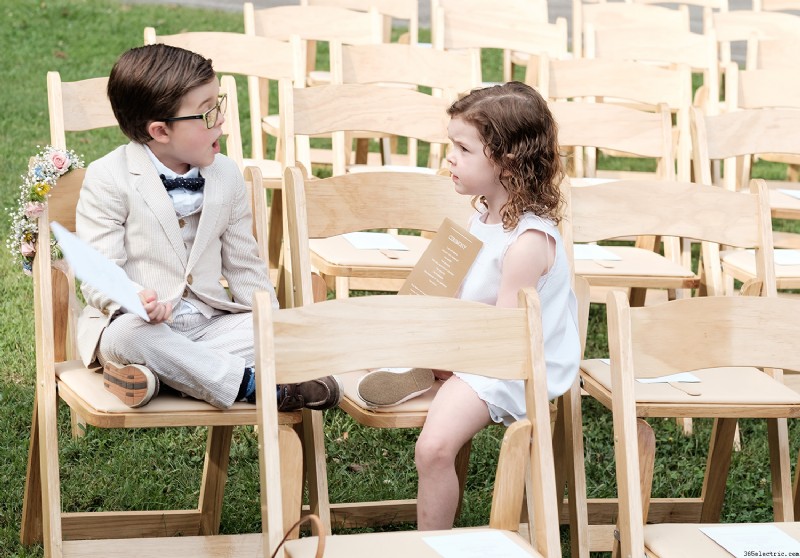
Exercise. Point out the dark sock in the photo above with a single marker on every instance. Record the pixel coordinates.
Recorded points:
(247, 389)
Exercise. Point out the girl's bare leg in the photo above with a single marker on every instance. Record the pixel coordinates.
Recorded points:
(454, 417)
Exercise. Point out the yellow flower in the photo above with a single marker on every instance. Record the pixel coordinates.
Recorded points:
(41, 188)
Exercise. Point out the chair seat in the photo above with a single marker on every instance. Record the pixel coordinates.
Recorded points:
(338, 257)
(782, 205)
(717, 386)
(676, 540)
(196, 546)
(83, 389)
(741, 264)
(398, 544)
(636, 267)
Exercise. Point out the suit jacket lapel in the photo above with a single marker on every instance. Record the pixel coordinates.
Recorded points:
(213, 194)
(145, 179)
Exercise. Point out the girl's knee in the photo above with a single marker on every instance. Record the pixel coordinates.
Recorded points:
(433, 451)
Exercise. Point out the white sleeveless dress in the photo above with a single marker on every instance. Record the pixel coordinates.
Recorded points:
(506, 399)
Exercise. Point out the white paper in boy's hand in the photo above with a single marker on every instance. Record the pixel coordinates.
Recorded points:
(91, 267)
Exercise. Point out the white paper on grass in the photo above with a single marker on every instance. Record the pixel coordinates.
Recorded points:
(681, 377)
(374, 241)
(753, 540)
(593, 252)
(91, 267)
(483, 544)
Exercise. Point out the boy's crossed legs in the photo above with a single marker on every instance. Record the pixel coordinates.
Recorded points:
(207, 358)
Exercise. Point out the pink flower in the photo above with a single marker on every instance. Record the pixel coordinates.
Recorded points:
(27, 249)
(60, 161)
(33, 209)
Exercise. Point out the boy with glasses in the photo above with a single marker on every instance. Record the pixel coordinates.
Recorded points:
(175, 215)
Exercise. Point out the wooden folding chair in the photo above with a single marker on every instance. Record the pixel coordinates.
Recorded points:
(716, 217)
(741, 135)
(721, 339)
(61, 376)
(343, 335)
(321, 208)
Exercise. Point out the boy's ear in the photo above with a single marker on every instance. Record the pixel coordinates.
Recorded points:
(159, 131)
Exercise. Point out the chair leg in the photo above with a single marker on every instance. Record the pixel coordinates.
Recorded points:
(462, 466)
(215, 474)
(315, 467)
(646, 441)
(31, 525)
(47, 435)
(575, 468)
(795, 487)
(778, 434)
(717, 466)
(291, 476)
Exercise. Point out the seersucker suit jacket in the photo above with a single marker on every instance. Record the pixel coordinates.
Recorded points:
(125, 213)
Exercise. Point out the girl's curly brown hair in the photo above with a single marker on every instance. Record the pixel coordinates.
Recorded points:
(520, 136)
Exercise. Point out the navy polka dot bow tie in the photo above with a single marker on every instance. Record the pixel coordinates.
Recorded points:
(192, 184)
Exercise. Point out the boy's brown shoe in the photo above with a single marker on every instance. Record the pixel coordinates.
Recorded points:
(134, 384)
(319, 394)
(391, 386)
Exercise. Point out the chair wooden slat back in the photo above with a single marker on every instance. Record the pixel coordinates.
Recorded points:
(356, 107)
(626, 82)
(762, 88)
(605, 15)
(340, 335)
(726, 331)
(499, 29)
(763, 54)
(390, 9)
(357, 202)
(453, 71)
(661, 46)
(742, 133)
(624, 129)
(742, 25)
(77, 106)
(776, 5)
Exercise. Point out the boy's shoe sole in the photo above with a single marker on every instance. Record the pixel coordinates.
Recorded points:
(133, 384)
(383, 388)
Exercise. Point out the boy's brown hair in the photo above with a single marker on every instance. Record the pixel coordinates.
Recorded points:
(520, 136)
(148, 84)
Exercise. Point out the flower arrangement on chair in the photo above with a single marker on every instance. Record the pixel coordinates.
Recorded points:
(44, 170)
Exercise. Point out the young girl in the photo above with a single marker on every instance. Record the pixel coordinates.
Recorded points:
(505, 155)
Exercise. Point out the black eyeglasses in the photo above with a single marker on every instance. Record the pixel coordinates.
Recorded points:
(210, 116)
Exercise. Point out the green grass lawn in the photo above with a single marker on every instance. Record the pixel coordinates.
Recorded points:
(154, 469)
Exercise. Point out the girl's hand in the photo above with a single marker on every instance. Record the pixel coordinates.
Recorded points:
(158, 312)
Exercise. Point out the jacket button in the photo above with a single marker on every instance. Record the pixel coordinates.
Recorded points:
(181, 223)
(185, 293)
(189, 279)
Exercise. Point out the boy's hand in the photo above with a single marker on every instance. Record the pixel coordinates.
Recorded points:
(157, 311)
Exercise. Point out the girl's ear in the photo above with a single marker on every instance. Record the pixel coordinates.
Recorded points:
(505, 173)
(159, 131)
